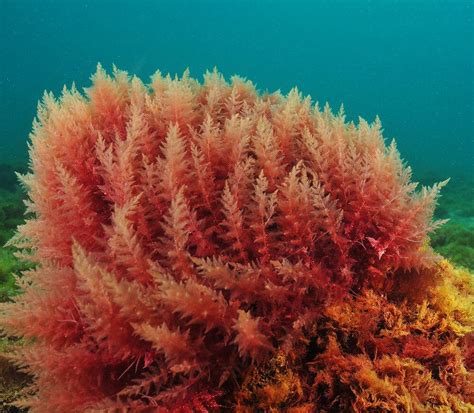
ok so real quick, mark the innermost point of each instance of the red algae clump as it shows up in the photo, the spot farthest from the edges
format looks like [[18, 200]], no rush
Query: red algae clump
[[205, 248]]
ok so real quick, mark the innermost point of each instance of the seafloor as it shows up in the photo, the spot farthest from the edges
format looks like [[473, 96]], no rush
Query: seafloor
[[454, 240]]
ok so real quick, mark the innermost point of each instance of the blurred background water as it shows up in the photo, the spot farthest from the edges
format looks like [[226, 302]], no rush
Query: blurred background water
[[409, 61]]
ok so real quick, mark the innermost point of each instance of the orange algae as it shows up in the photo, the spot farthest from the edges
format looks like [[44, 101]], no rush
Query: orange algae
[[272, 386]]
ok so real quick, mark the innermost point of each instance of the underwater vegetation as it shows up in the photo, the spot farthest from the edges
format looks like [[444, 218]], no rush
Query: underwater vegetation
[[8, 266], [11, 215], [455, 239], [204, 247], [457, 202], [8, 178], [12, 381]]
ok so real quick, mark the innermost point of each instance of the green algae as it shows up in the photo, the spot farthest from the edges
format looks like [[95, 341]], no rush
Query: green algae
[[455, 239], [11, 215]]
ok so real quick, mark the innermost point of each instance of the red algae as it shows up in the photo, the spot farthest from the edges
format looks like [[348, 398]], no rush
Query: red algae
[[204, 247]]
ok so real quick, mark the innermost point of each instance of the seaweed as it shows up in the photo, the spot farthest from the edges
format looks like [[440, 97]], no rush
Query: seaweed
[[455, 239], [456, 242], [12, 381]]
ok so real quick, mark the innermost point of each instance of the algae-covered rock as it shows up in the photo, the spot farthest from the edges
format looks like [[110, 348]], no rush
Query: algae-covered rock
[[12, 381]]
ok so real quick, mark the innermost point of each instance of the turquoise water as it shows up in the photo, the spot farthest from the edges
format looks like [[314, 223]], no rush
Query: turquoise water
[[411, 62]]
